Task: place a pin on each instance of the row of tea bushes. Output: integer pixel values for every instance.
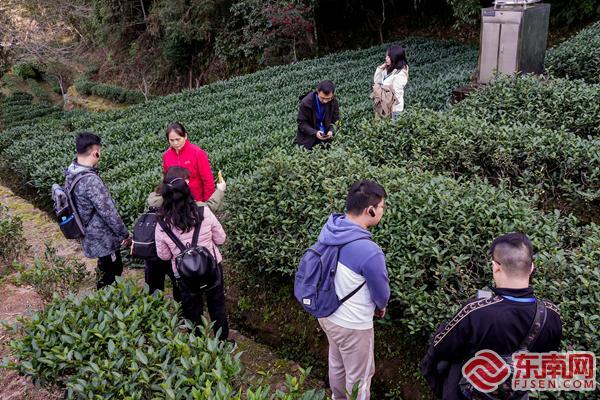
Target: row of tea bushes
(577, 57)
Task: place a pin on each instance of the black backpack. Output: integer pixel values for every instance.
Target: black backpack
(66, 210)
(144, 244)
(505, 391)
(195, 264)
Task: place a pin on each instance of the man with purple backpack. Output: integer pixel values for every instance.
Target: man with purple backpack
(343, 281)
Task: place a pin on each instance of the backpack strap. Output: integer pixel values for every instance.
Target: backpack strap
(171, 235)
(537, 325)
(71, 199)
(200, 211)
(352, 293)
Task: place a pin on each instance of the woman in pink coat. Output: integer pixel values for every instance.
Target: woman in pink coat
(181, 215)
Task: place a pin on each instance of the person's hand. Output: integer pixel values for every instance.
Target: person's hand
(380, 313)
(222, 185)
(383, 66)
(329, 135)
(320, 135)
(126, 242)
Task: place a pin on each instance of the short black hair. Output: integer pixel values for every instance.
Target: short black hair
(84, 142)
(363, 194)
(514, 252)
(326, 87)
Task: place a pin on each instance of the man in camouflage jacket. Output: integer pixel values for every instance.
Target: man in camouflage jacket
(105, 231)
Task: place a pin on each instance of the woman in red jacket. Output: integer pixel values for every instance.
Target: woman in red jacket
(185, 154)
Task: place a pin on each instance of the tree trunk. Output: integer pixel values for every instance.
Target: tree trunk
(382, 21)
(294, 49)
(143, 10)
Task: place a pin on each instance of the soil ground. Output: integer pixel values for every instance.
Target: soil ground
(261, 365)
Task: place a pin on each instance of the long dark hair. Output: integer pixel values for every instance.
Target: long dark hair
(178, 208)
(173, 172)
(397, 55)
(177, 128)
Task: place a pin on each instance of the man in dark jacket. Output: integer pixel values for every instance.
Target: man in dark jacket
(498, 320)
(318, 112)
(105, 231)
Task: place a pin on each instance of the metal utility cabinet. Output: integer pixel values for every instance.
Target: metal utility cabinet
(513, 39)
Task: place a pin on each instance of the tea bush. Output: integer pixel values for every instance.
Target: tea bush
(237, 122)
(38, 91)
(553, 104)
(117, 94)
(577, 57)
(552, 164)
(120, 342)
(18, 109)
(12, 240)
(435, 231)
(53, 274)
(26, 69)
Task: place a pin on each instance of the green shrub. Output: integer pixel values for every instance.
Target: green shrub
(38, 91)
(54, 274)
(237, 121)
(53, 82)
(116, 94)
(9, 83)
(26, 69)
(577, 57)
(558, 166)
(434, 233)
(12, 239)
(120, 342)
(18, 109)
(554, 104)
(572, 280)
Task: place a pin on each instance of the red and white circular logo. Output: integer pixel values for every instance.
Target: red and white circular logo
(486, 371)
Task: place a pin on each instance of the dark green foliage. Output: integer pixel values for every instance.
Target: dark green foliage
(117, 94)
(577, 57)
(554, 104)
(237, 122)
(26, 69)
(53, 274)
(120, 341)
(53, 81)
(554, 165)
(38, 91)
(12, 239)
(18, 109)
(435, 233)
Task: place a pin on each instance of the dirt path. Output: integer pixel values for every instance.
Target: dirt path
(259, 361)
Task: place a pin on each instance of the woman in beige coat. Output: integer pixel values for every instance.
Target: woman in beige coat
(392, 75)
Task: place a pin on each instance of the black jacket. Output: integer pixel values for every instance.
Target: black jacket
(307, 120)
(495, 323)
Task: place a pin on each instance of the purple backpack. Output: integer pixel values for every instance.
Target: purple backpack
(314, 284)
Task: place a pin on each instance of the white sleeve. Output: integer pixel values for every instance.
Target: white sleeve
(400, 81)
(377, 76)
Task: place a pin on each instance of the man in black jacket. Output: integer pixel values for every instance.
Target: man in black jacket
(497, 321)
(317, 113)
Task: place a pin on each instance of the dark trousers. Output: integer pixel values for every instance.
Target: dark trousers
(192, 305)
(109, 267)
(154, 276)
